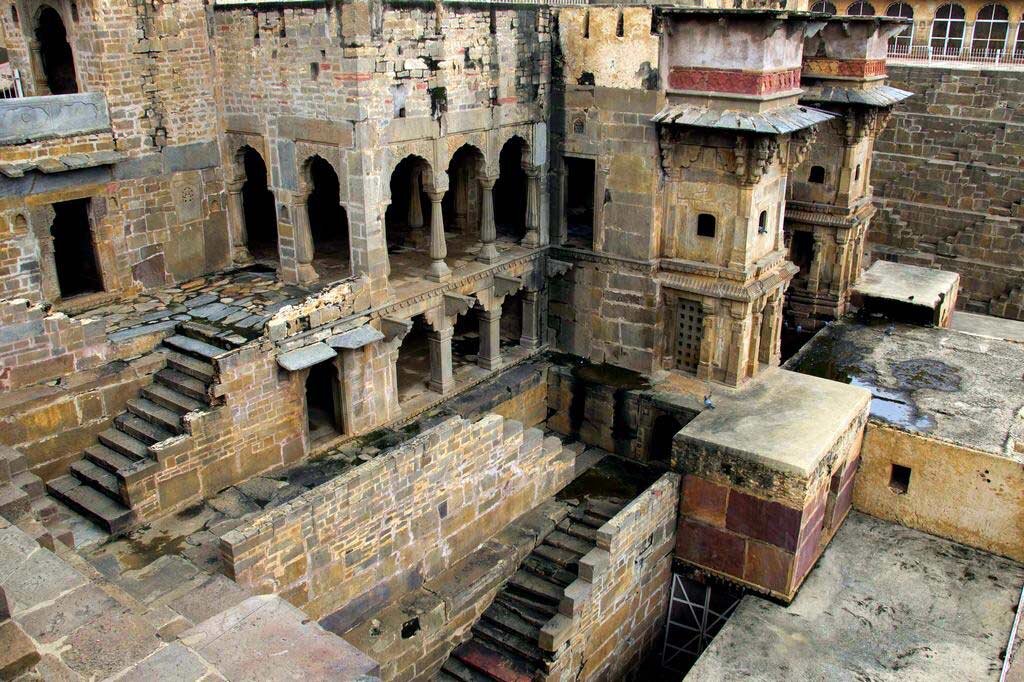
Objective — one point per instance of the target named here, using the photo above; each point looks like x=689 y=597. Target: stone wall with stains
x=377 y=532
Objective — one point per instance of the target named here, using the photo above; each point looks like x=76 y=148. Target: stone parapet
x=39 y=118
x=380 y=530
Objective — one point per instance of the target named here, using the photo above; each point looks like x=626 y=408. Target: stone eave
x=746 y=292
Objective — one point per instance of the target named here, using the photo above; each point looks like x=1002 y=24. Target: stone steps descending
x=454 y=669
x=182 y=383
x=505 y=641
x=91 y=485
x=112 y=516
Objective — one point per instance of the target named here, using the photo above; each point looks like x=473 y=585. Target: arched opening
x=659 y=444
x=55 y=51
x=323 y=401
x=861 y=9
x=817 y=175
x=1018 y=48
x=510 y=191
x=466 y=339
x=905 y=38
x=73 y=253
x=990 y=29
x=801 y=252
x=258 y=208
x=328 y=223
x=762 y=223
x=461 y=203
x=407 y=218
x=823 y=6
x=948 y=29
x=512 y=319
x=706 y=225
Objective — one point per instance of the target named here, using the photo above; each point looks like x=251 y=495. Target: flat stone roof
x=783 y=420
x=963 y=388
x=906 y=283
x=884 y=603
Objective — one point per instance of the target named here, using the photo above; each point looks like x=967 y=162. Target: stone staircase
x=92 y=485
x=24 y=503
x=505 y=640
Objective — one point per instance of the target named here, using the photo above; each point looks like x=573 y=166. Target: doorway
x=323 y=402
x=73 y=251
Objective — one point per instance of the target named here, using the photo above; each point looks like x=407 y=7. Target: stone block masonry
x=609 y=618
x=949 y=183
x=379 y=531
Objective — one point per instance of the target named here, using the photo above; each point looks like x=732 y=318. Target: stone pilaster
x=488 y=231
x=531 y=320
x=489 y=356
x=532 y=237
x=236 y=219
x=439 y=270
x=440 y=344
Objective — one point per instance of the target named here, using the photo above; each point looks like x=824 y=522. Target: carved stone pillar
x=303 y=243
x=236 y=219
x=440 y=345
x=737 y=349
x=705 y=364
x=531 y=320
x=439 y=270
x=488 y=231
x=489 y=356
x=35 y=55
x=755 y=345
x=839 y=275
x=532 y=237
x=814 y=273
x=415 y=216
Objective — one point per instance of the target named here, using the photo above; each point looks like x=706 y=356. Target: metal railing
x=927 y=54
x=10 y=83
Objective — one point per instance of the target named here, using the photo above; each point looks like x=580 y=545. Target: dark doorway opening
x=512 y=319
x=659 y=445
x=413 y=366
x=466 y=339
x=510 y=192
x=801 y=251
x=323 y=401
x=328 y=223
x=258 y=207
x=58 y=60
x=407 y=222
x=579 y=202
x=73 y=252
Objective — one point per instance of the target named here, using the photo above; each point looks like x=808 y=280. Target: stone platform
x=768 y=479
x=884 y=603
x=907 y=293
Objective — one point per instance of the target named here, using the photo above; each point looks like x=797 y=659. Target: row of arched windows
x=991 y=26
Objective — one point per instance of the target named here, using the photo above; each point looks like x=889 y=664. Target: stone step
x=587 y=518
x=604 y=509
x=536 y=587
x=30 y=483
x=194 y=347
x=508 y=641
x=496 y=664
x=186 y=364
x=182 y=383
x=141 y=430
x=548 y=570
x=171 y=399
x=563 y=557
x=155 y=414
x=124 y=444
x=557 y=538
x=97 y=478
x=579 y=530
x=454 y=669
x=506 y=618
x=110 y=515
x=107 y=459
x=532 y=612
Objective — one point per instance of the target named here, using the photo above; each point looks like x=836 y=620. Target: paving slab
x=116 y=640
x=265 y=637
x=66 y=614
x=173 y=663
x=884 y=603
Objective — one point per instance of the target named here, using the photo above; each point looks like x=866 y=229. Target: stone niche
x=768 y=479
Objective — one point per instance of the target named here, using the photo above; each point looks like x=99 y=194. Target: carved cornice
x=733 y=291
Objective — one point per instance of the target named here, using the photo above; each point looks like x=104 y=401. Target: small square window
x=705 y=225
x=817 y=175
x=899 y=479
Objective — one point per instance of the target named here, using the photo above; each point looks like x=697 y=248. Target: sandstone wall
x=377 y=532
x=950 y=185
x=946 y=483
x=611 y=616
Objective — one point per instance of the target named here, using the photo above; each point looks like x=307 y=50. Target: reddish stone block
x=710 y=547
x=768 y=566
x=765 y=520
x=807 y=554
x=844 y=500
x=703 y=500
